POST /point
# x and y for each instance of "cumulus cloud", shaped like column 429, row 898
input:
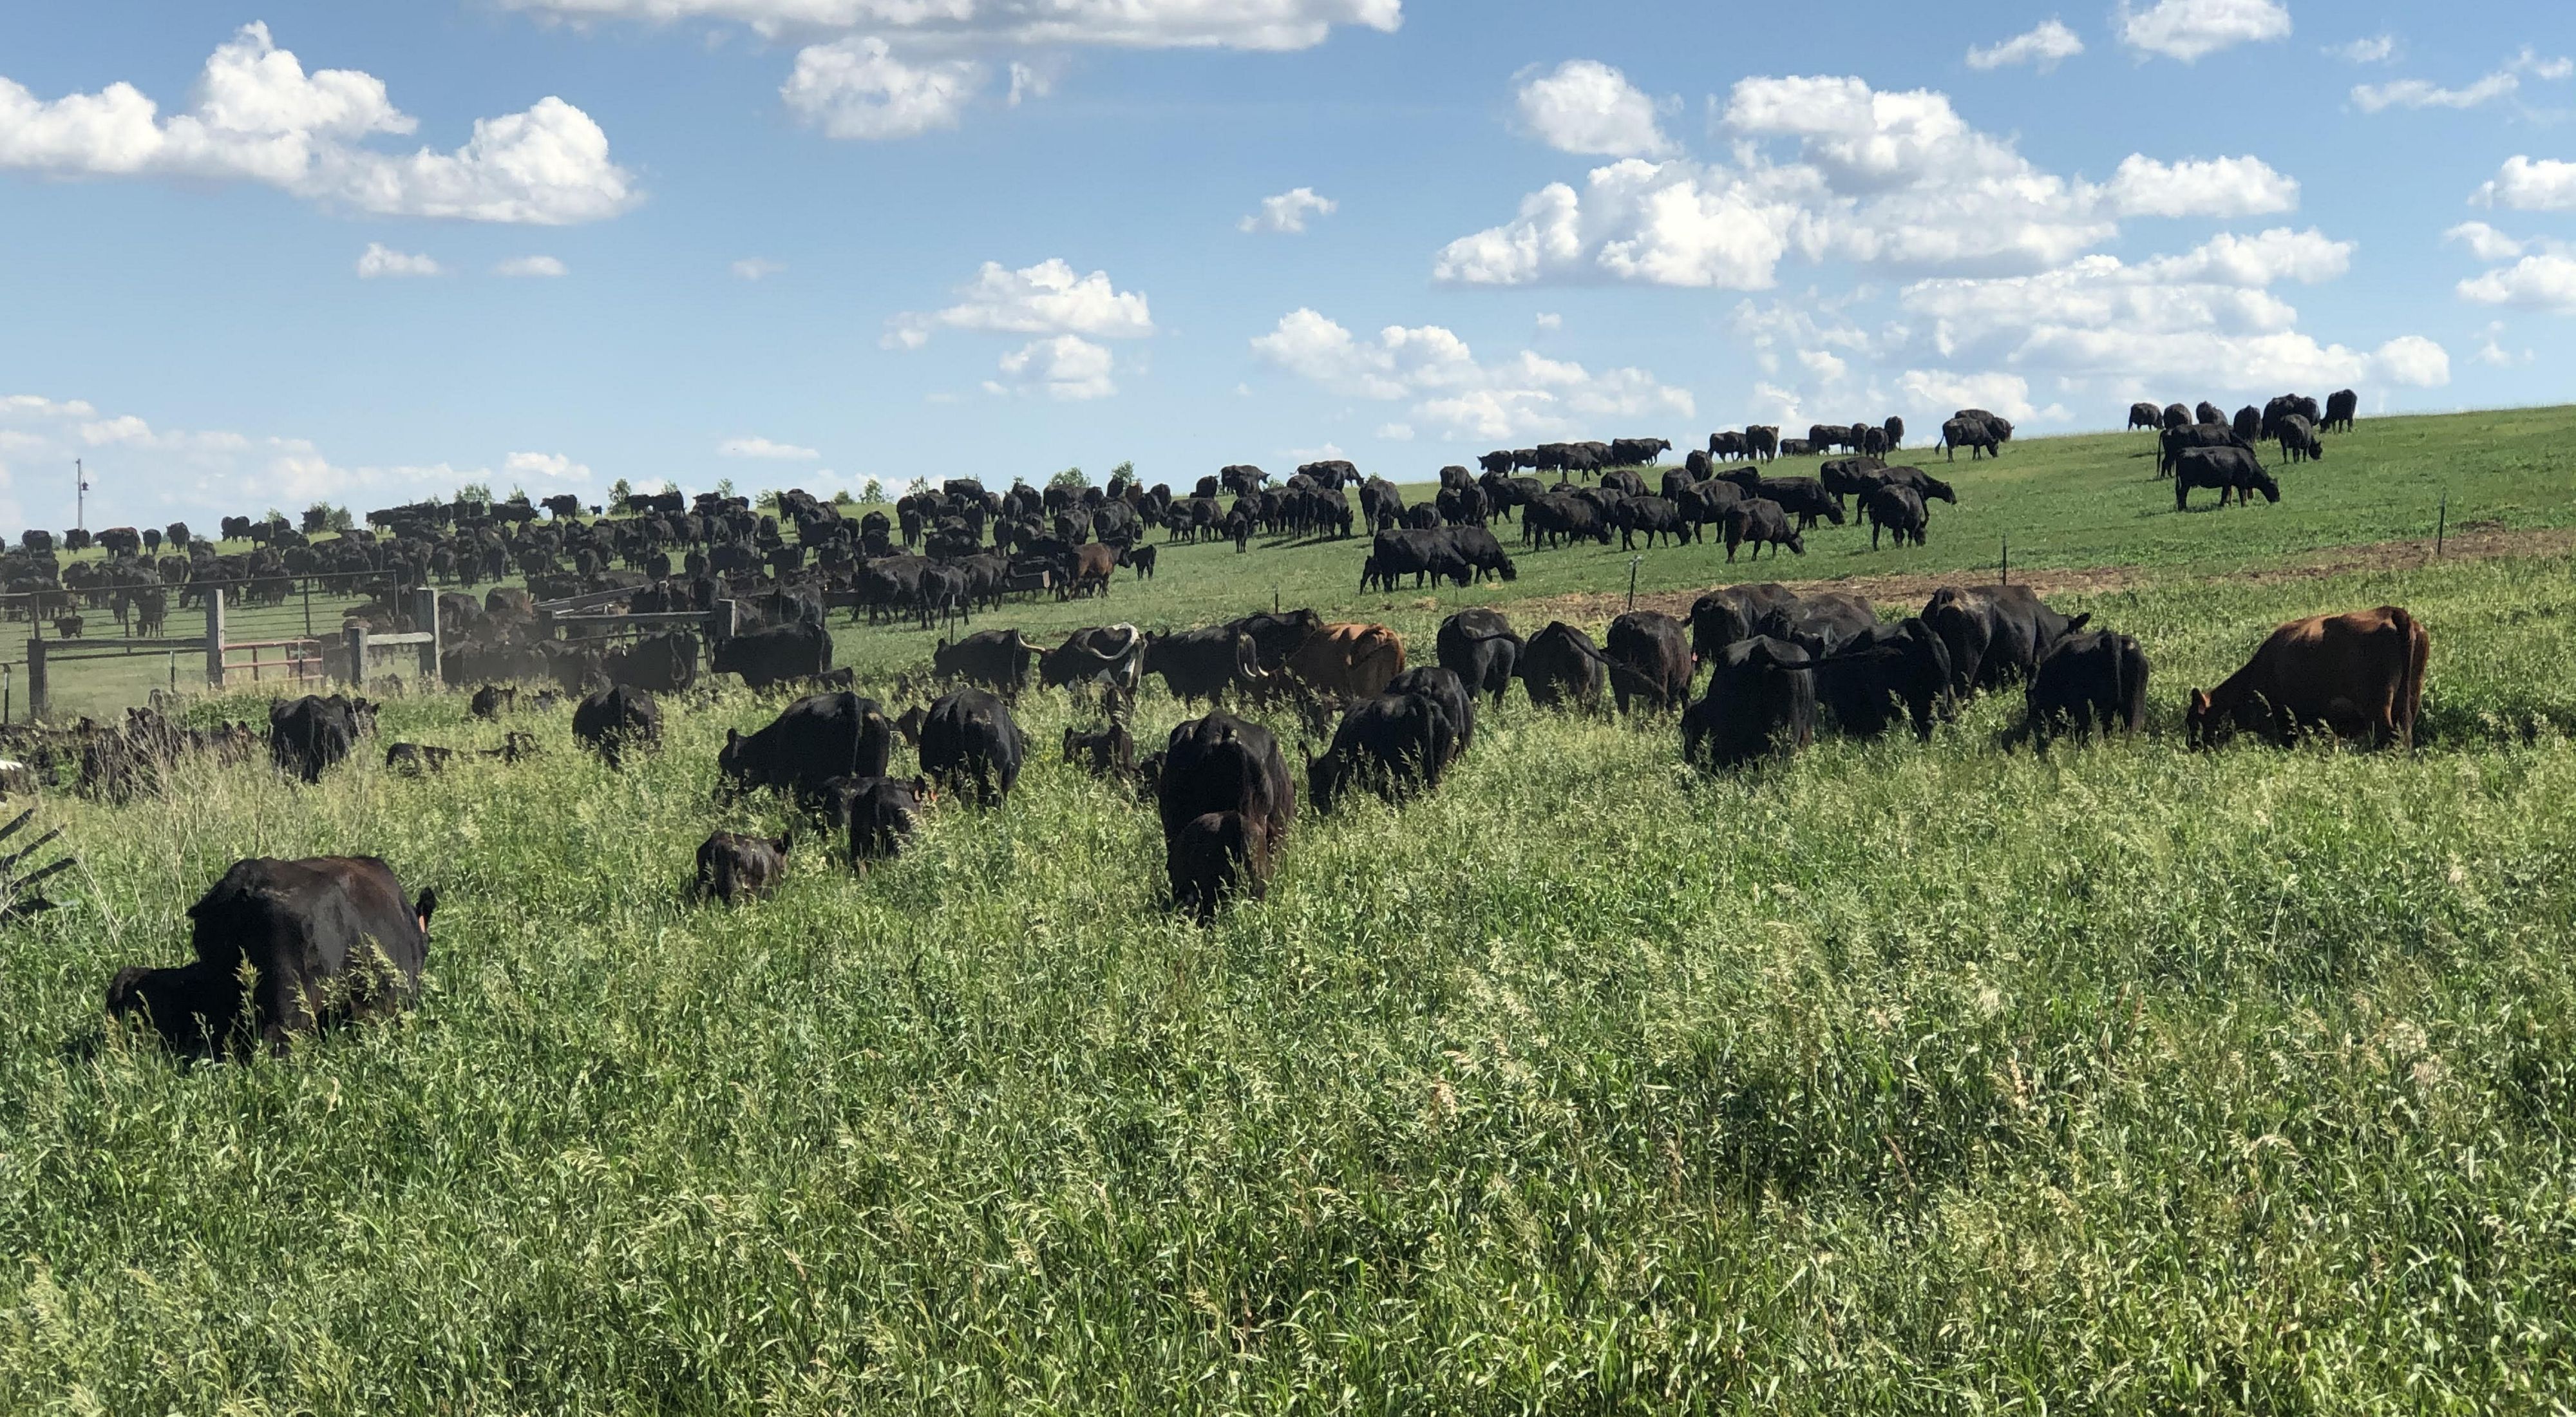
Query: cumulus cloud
column 2189, row 30
column 259, row 117
column 2220, row 187
column 1447, row 387
column 1935, row 393
column 1395, row 432
column 2542, row 282
column 380, row 261
column 2526, row 185
column 1884, row 178
column 1065, row 367
column 1145, row 24
column 1585, row 106
column 1288, row 211
column 2422, row 93
column 757, row 268
column 1044, row 299
column 857, row 88
column 540, row 267
column 754, row 446
column 2044, row 47
column 550, row 469
column 2376, row 49
column 2484, row 241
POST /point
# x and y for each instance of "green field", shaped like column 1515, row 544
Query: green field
column 1893, row 1077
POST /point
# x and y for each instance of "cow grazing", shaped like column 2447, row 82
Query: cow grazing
column 1820, row 621
column 2358, row 675
column 310, row 734
column 1448, row 692
column 1897, row 510
column 1104, row 752
column 284, row 948
column 1348, row 661
column 1561, row 668
column 2235, row 472
column 2247, row 425
column 1479, row 647
column 2299, row 440
column 1393, row 743
column 877, row 814
column 2089, row 678
column 1224, row 764
column 2174, row 442
column 2145, row 415
column 1761, row 522
column 1995, row 632
column 617, row 720
column 773, row 656
column 1761, row 698
column 2341, row 405
column 1649, row 660
column 1112, row 655
column 414, row 759
column 969, row 737
column 1863, row 683
column 812, row 741
column 493, row 700
column 734, row 867
column 1204, row 663
column 1731, row 613
column 1216, row 857
column 994, row 659
column 662, row 664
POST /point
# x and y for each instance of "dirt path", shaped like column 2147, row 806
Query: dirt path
column 2470, row 542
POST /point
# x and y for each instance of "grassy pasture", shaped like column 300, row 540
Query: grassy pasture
column 1891, row 1078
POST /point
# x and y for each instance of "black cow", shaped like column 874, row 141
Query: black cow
column 1850, row 477
column 1802, row 497
column 734, row 867
column 2089, row 677
column 414, row 759
column 1204, row 663
column 1731, row 613
column 2174, row 442
column 1972, row 434
column 1897, row 510
column 1649, row 659
column 2235, row 472
column 493, row 700
column 996, row 659
column 616, row 720
column 2248, row 425
column 775, row 655
column 1214, row 857
column 1863, row 683
column 1111, row 654
column 2207, row 412
column 1479, row 647
column 2341, row 405
column 324, row 939
column 1106, row 752
column 664, row 664
column 878, row 814
column 308, row 735
column 1445, row 689
column 1653, row 516
column 1761, row 697
column 1221, row 764
column 1995, row 632
column 1560, row 667
column 969, row 736
column 2145, row 415
column 1763, row 523
column 2299, row 440
column 1393, row 743
column 814, row 740
column 2177, row 416
column 1820, row 622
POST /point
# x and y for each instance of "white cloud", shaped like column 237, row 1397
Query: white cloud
column 259, row 117
column 550, row 469
column 857, row 88
column 380, row 260
column 1396, row 432
column 2543, row 282
column 1030, row 81
column 2531, row 62
column 1549, row 320
column 545, row 267
column 2044, row 47
column 2220, row 187
column 2546, row 185
column 757, row 268
column 2377, row 49
column 1585, row 106
column 1439, row 375
column 1144, row 24
column 754, row 446
column 2493, row 354
column 2191, row 29
column 2420, row 93
column 1065, row 367
column 1047, row 298
column 1288, row 211
column 2414, row 361
column 1935, row 393
column 2484, row 241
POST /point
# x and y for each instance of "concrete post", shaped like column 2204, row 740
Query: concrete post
column 215, row 637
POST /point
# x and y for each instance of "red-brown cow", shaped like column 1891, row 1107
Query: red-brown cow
column 1351, row 661
column 2357, row 674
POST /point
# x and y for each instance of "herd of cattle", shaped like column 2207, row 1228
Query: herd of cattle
column 285, row 947
column 2204, row 447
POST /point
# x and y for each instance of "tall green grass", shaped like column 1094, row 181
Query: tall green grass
column 1890, row 1078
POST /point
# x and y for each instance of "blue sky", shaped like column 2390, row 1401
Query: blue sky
column 287, row 251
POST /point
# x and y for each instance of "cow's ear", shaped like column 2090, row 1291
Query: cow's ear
column 2079, row 622
column 2199, row 701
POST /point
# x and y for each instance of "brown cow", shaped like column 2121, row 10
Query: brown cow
column 1093, row 565
column 2360, row 673
column 1352, row 661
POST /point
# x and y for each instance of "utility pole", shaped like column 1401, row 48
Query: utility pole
column 80, row 495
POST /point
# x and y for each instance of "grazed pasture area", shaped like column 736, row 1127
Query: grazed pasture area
column 1891, row 1078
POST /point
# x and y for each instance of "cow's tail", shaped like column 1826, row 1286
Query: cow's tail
column 2410, row 684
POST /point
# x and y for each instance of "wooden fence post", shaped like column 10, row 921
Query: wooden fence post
column 36, row 705
column 214, row 637
column 424, row 614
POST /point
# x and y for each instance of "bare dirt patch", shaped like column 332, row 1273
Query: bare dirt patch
column 2472, row 541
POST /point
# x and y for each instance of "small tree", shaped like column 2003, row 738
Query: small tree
column 518, row 493
column 841, row 495
column 916, row 487
column 724, row 486
column 872, row 491
column 768, row 498
column 475, row 492
column 1124, row 472
column 618, row 492
column 329, row 517
column 1071, row 477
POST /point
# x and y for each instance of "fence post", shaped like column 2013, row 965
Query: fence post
column 424, row 613
column 36, row 704
column 2442, row 526
column 307, row 583
column 721, row 620
column 355, row 639
column 214, row 637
